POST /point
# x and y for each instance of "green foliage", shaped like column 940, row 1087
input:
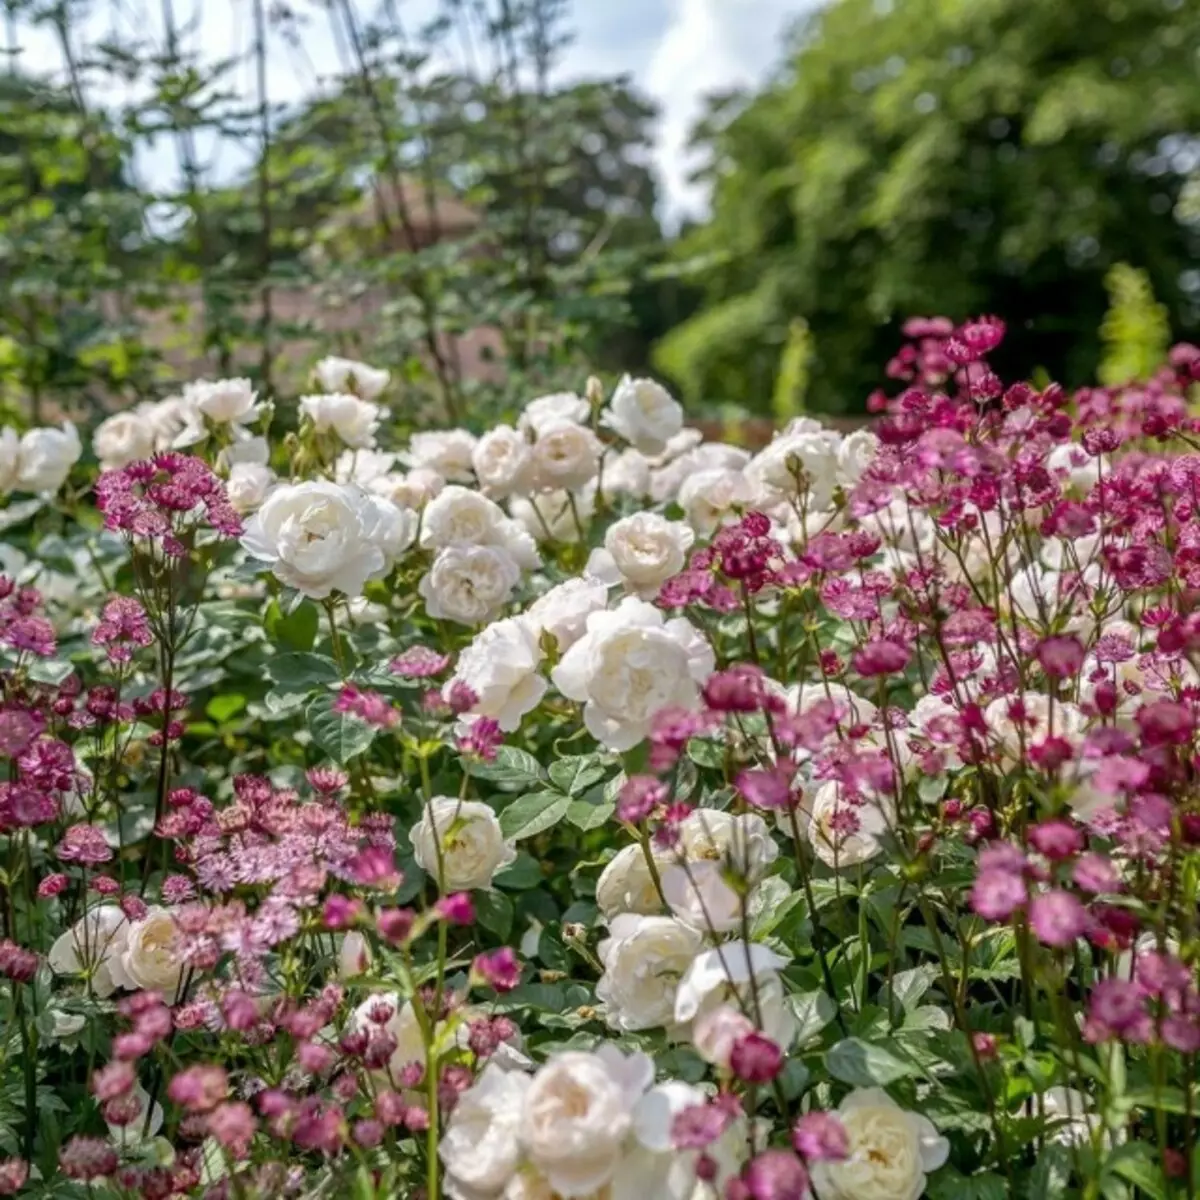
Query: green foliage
column 1136, row 329
column 941, row 156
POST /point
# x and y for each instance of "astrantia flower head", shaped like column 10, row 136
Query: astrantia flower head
column 420, row 662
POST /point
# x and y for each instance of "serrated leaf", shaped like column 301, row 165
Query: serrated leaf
column 532, row 814
column 298, row 670
column 340, row 735
column 863, row 1064
column 494, row 911
column 512, row 767
column 574, row 775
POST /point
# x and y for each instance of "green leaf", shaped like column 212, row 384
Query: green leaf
column 862, row 1064
column 50, row 670
column 523, row 873
column 512, row 768
column 770, row 903
column 297, row 630
column 1137, row 1163
column 575, row 774
column 494, row 911
column 705, row 752
column 301, row 672
column 341, row 736
column 949, row 1184
column 221, row 708
column 532, row 814
column 813, row 1010
column 907, row 987
column 590, row 811
column 1051, row 1173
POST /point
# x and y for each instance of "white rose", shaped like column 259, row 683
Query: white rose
column 744, row 973
column 715, row 1032
column 403, row 1026
column 143, row 1127
column 448, row 452
column 578, row 1113
column 473, row 848
column 553, row 410
column 843, row 833
column 700, row 896
column 174, row 420
column 626, row 884
column 318, row 537
column 1075, row 465
column 481, row 1147
column 555, row 516
column 563, row 611
column 855, row 455
column 362, row 611
column 643, row 959
column 10, row 449
column 354, row 421
column 630, row 664
column 501, row 667
column 469, row 584
column 503, row 462
column 370, row 469
column 626, row 474
column 123, row 438
column 150, row 958
column 223, row 401
column 851, row 708
column 461, row 517
column 46, row 458
column 245, row 450
column 565, row 455
column 248, row 485
column 709, row 498
column 395, row 528
column 1072, row 1115
column 1037, row 723
column 413, row 490
column 814, row 452
column 740, row 841
column 891, row 1151
column 345, row 375
column 642, row 552
column 93, row 945
column 354, row 955
column 645, row 414
column 669, row 475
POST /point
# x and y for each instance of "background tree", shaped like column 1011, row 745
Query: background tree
column 944, row 156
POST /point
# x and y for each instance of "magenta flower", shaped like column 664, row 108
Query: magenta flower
column 776, row 1175
column 458, row 909
column 1057, row 918
column 820, row 1137
column 498, row 968
column 883, row 656
column 419, row 662
column 996, row 895
column 755, row 1058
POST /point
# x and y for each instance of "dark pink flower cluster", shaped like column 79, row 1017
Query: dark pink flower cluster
column 371, row 707
column 23, row 627
column 123, row 629
column 164, row 499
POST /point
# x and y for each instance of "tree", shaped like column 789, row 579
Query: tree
column 944, row 156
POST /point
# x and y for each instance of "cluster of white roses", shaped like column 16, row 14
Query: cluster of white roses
column 586, row 1124
column 39, row 460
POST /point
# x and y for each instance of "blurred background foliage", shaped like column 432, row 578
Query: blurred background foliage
column 490, row 231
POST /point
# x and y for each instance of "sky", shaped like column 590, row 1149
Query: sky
column 675, row 50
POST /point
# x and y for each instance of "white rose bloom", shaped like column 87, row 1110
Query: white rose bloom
column 1074, row 464
column 643, row 959
column 578, row 1114
column 248, row 485
column 412, row 490
column 855, row 455
column 460, row 517
column 645, row 414
column 174, row 420
column 669, row 473
column 1068, row 722
column 642, row 552
column 448, row 452
column 46, row 458
column 481, row 1147
column 366, row 612
column 626, row 474
column 123, row 438
column 93, row 944
column 402, row 1025
column 814, row 451
column 553, row 410
column 503, row 462
column 370, row 469
column 501, row 667
column 926, row 715
column 891, row 1151
column 473, row 847
column 139, row 1130
column 835, row 846
column 354, row 421
column 852, row 709
column 150, row 960
column 354, row 956
column 223, row 401
column 246, row 450
column 565, row 455
column 742, row 841
column 345, row 375
column 715, row 1032
column 630, row 664
column 395, row 528
column 318, row 537
column 469, row 584
column 723, row 975
column 699, row 896
column 626, row 885
column 1072, row 1114
column 709, row 498
column 562, row 612
column 549, row 516
column 10, row 449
